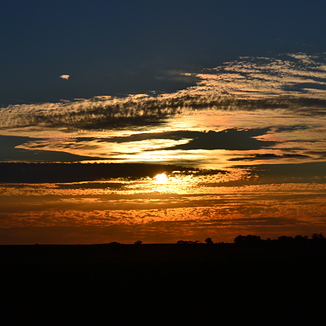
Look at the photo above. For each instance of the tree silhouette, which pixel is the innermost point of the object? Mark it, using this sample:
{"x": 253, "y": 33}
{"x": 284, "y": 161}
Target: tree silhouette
{"x": 300, "y": 239}
{"x": 283, "y": 239}
{"x": 239, "y": 239}
{"x": 318, "y": 238}
{"x": 248, "y": 239}
{"x": 209, "y": 241}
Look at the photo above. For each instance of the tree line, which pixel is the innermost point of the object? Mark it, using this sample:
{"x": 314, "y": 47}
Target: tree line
{"x": 316, "y": 238}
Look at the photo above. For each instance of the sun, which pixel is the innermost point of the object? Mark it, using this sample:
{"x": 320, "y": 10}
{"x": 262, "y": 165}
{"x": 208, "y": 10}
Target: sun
{"x": 161, "y": 178}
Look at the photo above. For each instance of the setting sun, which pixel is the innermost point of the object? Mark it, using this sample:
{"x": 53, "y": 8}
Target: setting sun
{"x": 161, "y": 178}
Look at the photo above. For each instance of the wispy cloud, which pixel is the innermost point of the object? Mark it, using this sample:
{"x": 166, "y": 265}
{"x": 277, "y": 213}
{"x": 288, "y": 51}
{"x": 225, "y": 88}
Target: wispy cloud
{"x": 291, "y": 75}
{"x": 213, "y": 122}
{"x": 96, "y": 113}
{"x": 244, "y": 209}
{"x": 243, "y": 151}
{"x": 295, "y": 82}
{"x": 176, "y": 75}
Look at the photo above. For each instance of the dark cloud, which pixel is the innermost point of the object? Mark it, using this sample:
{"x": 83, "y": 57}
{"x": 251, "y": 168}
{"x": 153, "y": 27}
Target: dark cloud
{"x": 10, "y": 153}
{"x": 231, "y": 139}
{"x": 73, "y": 172}
{"x": 268, "y": 156}
{"x": 294, "y": 173}
{"x": 254, "y": 221}
{"x": 92, "y": 185}
{"x": 293, "y": 128}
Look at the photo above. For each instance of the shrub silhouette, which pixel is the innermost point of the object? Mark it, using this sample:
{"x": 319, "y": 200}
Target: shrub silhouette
{"x": 285, "y": 239}
{"x": 209, "y": 241}
{"x": 248, "y": 239}
{"x": 318, "y": 237}
{"x": 300, "y": 239}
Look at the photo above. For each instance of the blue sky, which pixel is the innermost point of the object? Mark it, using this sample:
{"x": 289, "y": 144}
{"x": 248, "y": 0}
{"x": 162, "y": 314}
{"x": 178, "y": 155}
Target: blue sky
{"x": 121, "y": 47}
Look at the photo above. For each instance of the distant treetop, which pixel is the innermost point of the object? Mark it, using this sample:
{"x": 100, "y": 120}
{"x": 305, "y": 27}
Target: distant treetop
{"x": 254, "y": 239}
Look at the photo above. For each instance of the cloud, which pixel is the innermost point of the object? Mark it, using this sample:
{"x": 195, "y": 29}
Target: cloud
{"x": 66, "y": 77}
{"x": 285, "y": 77}
{"x": 73, "y": 172}
{"x": 176, "y": 75}
{"x": 296, "y": 83}
{"x": 153, "y": 144}
{"x": 268, "y": 156}
{"x": 247, "y": 209}
{"x": 96, "y": 113}
{"x": 231, "y": 139}
{"x": 295, "y": 172}
{"x": 15, "y": 149}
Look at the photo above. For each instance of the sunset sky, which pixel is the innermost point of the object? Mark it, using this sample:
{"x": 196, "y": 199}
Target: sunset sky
{"x": 161, "y": 121}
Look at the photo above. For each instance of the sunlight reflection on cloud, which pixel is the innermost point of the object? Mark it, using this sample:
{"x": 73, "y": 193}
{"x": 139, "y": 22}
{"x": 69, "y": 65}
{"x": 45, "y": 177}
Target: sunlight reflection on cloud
{"x": 214, "y": 202}
{"x": 66, "y": 77}
{"x": 256, "y": 125}
{"x": 182, "y": 139}
{"x": 262, "y": 82}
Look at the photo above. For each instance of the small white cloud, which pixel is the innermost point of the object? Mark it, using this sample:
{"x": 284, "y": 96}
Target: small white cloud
{"x": 65, "y": 77}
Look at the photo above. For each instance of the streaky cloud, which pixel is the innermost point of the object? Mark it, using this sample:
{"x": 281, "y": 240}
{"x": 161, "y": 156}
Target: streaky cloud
{"x": 268, "y": 156}
{"x": 293, "y": 82}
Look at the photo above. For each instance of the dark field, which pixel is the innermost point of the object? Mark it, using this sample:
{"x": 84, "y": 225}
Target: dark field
{"x": 164, "y": 284}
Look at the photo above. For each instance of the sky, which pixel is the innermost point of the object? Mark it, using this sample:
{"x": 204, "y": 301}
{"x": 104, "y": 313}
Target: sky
{"x": 161, "y": 121}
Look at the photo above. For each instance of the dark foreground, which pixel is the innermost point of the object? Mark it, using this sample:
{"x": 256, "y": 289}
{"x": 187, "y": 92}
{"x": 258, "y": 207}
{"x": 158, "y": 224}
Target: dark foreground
{"x": 163, "y": 284}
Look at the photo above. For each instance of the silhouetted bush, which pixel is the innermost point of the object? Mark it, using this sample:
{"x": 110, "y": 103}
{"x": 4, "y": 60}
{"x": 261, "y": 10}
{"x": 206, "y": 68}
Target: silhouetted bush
{"x": 285, "y": 240}
{"x": 301, "y": 239}
{"x": 114, "y": 243}
{"x": 248, "y": 239}
{"x": 209, "y": 241}
{"x": 318, "y": 238}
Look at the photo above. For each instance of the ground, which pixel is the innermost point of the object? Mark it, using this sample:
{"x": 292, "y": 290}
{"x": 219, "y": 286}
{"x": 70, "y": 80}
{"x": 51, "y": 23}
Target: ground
{"x": 121, "y": 284}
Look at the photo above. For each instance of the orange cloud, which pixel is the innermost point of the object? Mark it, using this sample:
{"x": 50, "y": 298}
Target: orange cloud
{"x": 66, "y": 77}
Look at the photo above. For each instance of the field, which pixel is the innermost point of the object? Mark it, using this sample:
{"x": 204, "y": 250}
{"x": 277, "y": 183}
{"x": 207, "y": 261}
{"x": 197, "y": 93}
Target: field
{"x": 133, "y": 283}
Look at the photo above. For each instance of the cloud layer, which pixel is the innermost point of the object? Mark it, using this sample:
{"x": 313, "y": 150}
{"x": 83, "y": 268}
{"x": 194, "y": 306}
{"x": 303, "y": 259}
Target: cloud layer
{"x": 247, "y": 106}
{"x": 189, "y": 205}
{"x": 243, "y": 150}
{"x": 295, "y": 82}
